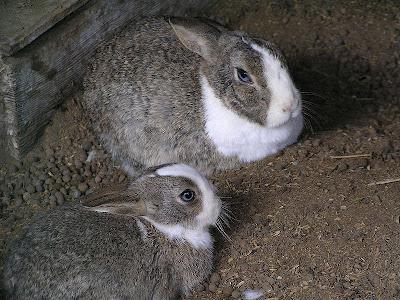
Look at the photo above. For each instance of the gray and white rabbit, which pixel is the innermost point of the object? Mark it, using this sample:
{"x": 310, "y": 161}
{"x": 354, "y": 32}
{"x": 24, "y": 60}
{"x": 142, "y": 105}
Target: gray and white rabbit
{"x": 147, "y": 240}
{"x": 168, "y": 90}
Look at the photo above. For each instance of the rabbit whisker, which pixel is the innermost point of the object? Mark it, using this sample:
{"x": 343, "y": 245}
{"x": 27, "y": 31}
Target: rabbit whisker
{"x": 221, "y": 230}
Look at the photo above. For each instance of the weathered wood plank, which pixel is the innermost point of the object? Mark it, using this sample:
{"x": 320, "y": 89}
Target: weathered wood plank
{"x": 37, "y": 78}
{"x": 22, "y": 21}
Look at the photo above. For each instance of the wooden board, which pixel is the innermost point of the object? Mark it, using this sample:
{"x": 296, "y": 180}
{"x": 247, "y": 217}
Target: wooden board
{"x": 22, "y": 21}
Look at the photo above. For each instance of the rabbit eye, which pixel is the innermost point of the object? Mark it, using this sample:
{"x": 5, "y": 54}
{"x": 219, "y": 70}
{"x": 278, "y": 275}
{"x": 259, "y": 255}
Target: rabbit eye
{"x": 187, "y": 195}
{"x": 243, "y": 76}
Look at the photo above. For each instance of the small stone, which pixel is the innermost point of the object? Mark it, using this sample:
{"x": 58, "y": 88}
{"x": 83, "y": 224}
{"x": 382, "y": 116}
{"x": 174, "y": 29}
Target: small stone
{"x": 18, "y": 201}
{"x": 212, "y": 287}
{"x": 78, "y": 164}
{"x": 49, "y": 181}
{"x": 49, "y": 152}
{"x": 45, "y": 200}
{"x": 74, "y": 193}
{"x": 82, "y": 156}
{"x": 342, "y": 167}
{"x": 235, "y": 294}
{"x": 346, "y": 285}
{"x": 97, "y": 179}
{"x": 87, "y": 173}
{"x": 76, "y": 178}
{"x": 227, "y": 291}
{"x": 26, "y": 196}
{"x": 39, "y": 188}
{"x": 59, "y": 197}
{"x": 11, "y": 219}
{"x": 52, "y": 201}
{"x": 66, "y": 178}
{"x": 66, "y": 172}
{"x": 86, "y": 145}
{"x": 30, "y": 189}
{"x": 6, "y": 200}
{"x": 316, "y": 142}
{"x": 82, "y": 187}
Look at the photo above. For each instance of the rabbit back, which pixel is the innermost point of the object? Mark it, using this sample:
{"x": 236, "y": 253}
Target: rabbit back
{"x": 71, "y": 253}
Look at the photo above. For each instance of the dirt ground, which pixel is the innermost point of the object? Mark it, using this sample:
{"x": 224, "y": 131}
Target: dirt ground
{"x": 319, "y": 221}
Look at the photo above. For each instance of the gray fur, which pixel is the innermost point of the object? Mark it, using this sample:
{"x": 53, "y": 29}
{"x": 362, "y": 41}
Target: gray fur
{"x": 74, "y": 252}
{"x": 143, "y": 94}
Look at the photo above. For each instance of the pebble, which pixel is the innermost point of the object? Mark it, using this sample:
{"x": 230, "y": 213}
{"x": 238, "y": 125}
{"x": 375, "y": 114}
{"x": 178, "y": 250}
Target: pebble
{"x": 212, "y": 287}
{"x": 18, "y": 201}
{"x": 97, "y": 179}
{"x": 52, "y": 201}
{"x": 66, "y": 178}
{"x": 49, "y": 181}
{"x": 74, "y": 193}
{"x": 87, "y": 146}
{"x": 26, "y": 196}
{"x": 346, "y": 285}
{"x": 6, "y": 200}
{"x": 76, "y": 178}
{"x": 87, "y": 173}
{"x": 342, "y": 167}
{"x": 30, "y": 189}
{"x": 59, "y": 197}
{"x": 78, "y": 164}
{"x": 82, "y": 187}
{"x": 82, "y": 156}
{"x": 236, "y": 294}
{"x": 66, "y": 172}
{"x": 49, "y": 152}
{"x": 39, "y": 188}
{"x": 63, "y": 190}
{"x": 227, "y": 290}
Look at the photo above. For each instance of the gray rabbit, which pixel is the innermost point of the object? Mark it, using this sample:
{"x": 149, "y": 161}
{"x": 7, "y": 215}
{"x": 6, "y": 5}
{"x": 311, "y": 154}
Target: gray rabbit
{"x": 168, "y": 90}
{"x": 146, "y": 240}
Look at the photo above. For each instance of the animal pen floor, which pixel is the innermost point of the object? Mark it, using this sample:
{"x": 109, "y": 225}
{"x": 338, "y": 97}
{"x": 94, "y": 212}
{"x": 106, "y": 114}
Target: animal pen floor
{"x": 318, "y": 221}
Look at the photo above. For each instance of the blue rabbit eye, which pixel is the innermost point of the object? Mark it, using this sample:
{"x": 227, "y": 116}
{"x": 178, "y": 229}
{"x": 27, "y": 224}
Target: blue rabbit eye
{"x": 243, "y": 76}
{"x": 187, "y": 195}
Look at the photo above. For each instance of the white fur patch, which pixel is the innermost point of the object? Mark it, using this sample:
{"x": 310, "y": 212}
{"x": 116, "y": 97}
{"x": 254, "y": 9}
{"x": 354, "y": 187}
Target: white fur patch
{"x": 285, "y": 98}
{"x": 234, "y": 135}
{"x": 198, "y": 238}
{"x": 211, "y": 203}
{"x": 91, "y": 156}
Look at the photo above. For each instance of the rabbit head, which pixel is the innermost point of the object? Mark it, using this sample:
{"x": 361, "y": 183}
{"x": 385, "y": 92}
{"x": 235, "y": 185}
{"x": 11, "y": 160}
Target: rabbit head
{"x": 248, "y": 74}
{"x": 175, "y": 198}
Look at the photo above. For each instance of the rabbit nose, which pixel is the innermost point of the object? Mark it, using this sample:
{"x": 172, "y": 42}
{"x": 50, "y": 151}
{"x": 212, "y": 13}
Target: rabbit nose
{"x": 290, "y": 106}
{"x": 287, "y": 108}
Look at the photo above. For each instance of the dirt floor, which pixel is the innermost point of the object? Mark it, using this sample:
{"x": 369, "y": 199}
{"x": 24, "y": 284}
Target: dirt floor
{"x": 319, "y": 221}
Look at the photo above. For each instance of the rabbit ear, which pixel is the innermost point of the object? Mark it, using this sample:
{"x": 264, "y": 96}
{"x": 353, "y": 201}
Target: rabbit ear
{"x": 199, "y": 37}
{"x": 117, "y": 201}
